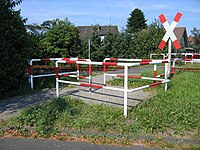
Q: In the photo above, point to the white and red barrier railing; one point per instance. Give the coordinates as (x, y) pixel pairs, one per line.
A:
(184, 57)
(140, 62)
(125, 75)
(30, 68)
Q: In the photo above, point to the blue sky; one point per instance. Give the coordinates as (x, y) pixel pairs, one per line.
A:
(106, 12)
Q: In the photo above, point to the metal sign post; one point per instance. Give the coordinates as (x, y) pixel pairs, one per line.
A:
(169, 56)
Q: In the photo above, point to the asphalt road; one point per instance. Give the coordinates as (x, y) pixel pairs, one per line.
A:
(46, 144)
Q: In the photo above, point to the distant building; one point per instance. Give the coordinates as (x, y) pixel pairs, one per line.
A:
(182, 37)
(86, 31)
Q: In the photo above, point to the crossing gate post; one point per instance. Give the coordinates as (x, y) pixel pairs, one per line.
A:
(125, 90)
(57, 83)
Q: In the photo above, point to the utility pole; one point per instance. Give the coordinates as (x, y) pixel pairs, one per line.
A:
(89, 48)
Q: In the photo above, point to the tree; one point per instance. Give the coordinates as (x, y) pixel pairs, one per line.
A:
(146, 41)
(122, 46)
(196, 34)
(35, 33)
(136, 21)
(60, 39)
(108, 45)
(14, 47)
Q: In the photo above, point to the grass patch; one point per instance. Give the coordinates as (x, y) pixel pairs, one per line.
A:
(190, 65)
(176, 111)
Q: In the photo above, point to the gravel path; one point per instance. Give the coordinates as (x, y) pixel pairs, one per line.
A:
(12, 106)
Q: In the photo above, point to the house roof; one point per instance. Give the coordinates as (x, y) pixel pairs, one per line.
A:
(86, 31)
(179, 32)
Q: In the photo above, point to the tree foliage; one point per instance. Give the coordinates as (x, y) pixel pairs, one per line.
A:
(60, 39)
(196, 34)
(96, 51)
(146, 41)
(14, 48)
(136, 22)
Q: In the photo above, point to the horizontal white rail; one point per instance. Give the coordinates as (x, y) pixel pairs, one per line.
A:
(53, 74)
(146, 86)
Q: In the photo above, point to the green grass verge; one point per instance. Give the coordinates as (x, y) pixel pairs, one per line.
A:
(176, 111)
(190, 65)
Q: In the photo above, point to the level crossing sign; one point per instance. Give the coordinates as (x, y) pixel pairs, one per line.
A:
(169, 31)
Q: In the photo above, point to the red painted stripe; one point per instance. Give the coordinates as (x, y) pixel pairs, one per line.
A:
(135, 77)
(188, 59)
(147, 60)
(82, 77)
(172, 72)
(177, 17)
(144, 63)
(65, 75)
(104, 68)
(162, 75)
(67, 59)
(77, 66)
(110, 63)
(90, 70)
(154, 73)
(177, 44)
(113, 59)
(120, 75)
(165, 61)
(91, 85)
(57, 76)
(45, 59)
(193, 57)
(162, 45)
(154, 84)
(162, 18)
(30, 70)
(71, 62)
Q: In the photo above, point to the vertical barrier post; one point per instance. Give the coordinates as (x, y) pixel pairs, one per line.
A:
(166, 74)
(192, 58)
(57, 83)
(154, 72)
(78, 71)
(169, 55)
(104, 74)
(125, 90)
(90, 77)
(173, 66)
(31, 73)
